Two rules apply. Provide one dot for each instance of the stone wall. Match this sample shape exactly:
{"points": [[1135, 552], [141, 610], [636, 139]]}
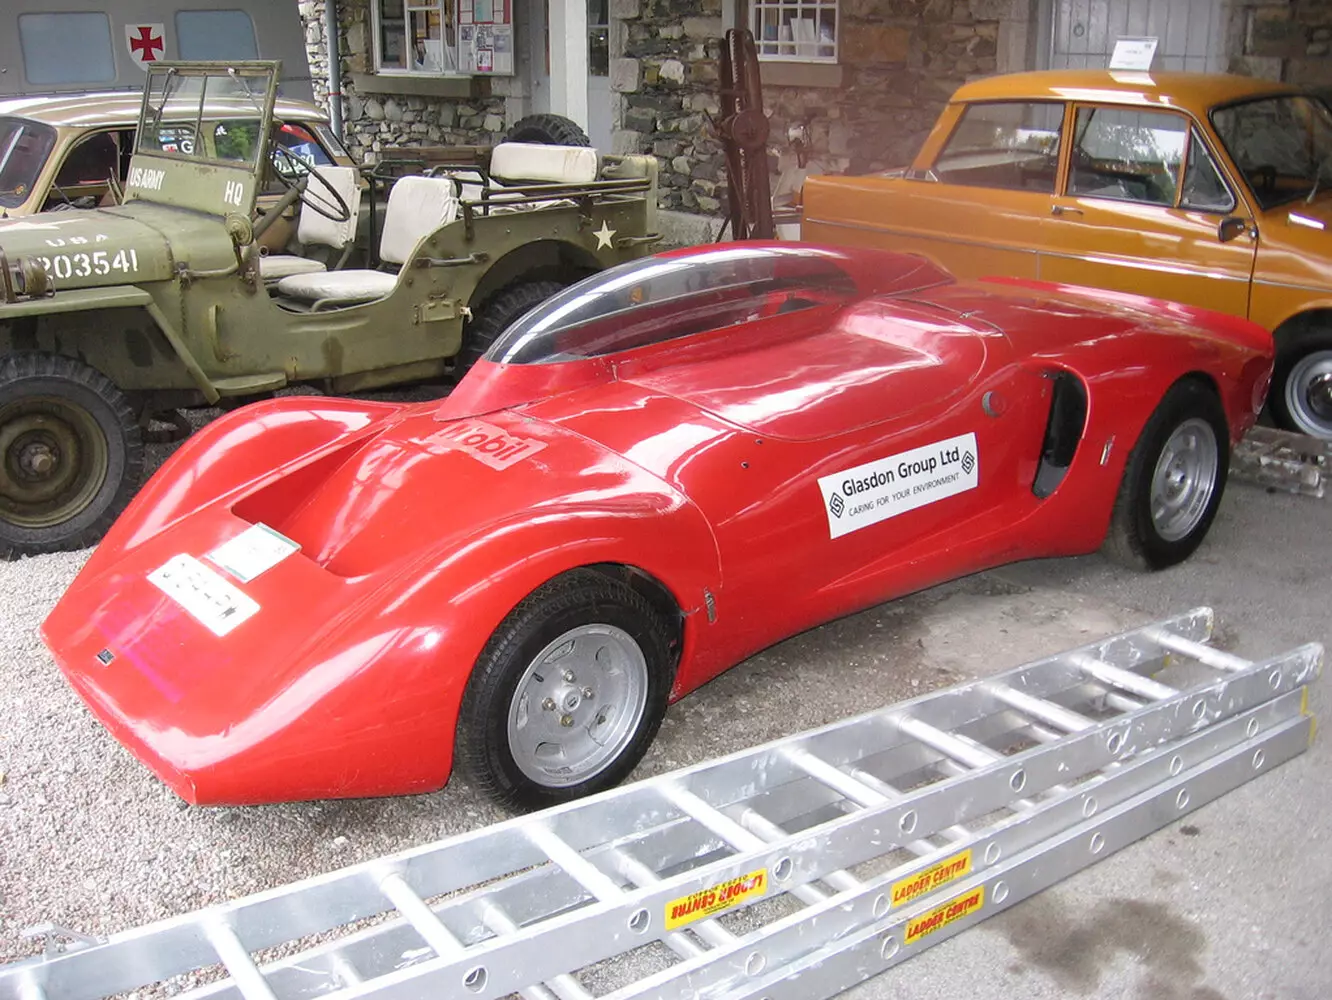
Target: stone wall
{"points": [[374, 120], [1286, 40], [899, 62]]}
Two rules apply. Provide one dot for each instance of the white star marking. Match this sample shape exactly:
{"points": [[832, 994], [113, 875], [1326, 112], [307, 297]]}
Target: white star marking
{"points": [[604, 236]]}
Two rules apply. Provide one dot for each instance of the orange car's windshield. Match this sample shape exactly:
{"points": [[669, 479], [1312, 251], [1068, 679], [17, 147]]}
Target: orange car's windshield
{"points": [[1282, 145]]}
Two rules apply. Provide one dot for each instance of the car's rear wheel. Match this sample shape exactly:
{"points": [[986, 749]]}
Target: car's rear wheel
{"points": [[500, 311], [1301, 397], [1173, 482], [71, 454], [567, 695]]}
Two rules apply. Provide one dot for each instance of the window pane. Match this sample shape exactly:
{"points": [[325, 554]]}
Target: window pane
{"points": [[1014, 144], [66, 48], [1282, 145], [1204, 189], [795, 30], [1127, 155], [392, 34], [216, 34], [24, 147]]}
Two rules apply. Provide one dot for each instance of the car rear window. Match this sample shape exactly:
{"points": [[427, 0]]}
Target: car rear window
{"points": [[24, 148], [664, 298], [1004, 144]]}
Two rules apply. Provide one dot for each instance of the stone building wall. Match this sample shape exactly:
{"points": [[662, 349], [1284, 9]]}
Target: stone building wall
{"points": [[899, 62], [373, 120], [1288, 40]]}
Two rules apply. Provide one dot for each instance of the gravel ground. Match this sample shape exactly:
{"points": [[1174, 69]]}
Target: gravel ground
{"points": [[90, 840]]}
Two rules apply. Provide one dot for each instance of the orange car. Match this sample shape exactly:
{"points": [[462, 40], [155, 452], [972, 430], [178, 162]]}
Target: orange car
{"points": [[1206, 189]]}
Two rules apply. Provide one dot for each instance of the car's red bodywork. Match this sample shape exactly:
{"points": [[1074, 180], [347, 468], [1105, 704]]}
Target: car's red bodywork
{"points": [[696, 460]]}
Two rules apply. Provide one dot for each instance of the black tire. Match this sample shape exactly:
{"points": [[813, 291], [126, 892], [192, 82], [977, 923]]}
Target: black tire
{"points": [[1301, 395], [498, 313], [550, 130], [71, 454], [1190, 415], [579, 600]]}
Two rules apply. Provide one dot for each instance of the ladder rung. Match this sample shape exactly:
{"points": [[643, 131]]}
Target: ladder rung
{"points": [[1127, 680], [709, 930], [730, 831], [962, 750], [1209, 655], [751, 819], [892, 794], [419, 915], [561, 987], [249, 980], [588, 875], [840, 781], [1040, 708]]}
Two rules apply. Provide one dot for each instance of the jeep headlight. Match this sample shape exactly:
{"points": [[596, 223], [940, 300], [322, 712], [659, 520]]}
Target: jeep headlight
{"points": [[25, 277]]}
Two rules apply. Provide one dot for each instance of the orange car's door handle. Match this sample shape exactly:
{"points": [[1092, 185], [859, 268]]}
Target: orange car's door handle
{"points": [[1065, 210]]}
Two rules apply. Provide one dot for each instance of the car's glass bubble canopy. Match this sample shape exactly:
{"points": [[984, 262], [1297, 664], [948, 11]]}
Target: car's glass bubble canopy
{"points": [[663, 298]]}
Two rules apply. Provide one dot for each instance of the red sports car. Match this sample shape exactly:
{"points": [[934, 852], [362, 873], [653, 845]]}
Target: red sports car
{"points": [[652, 475]]}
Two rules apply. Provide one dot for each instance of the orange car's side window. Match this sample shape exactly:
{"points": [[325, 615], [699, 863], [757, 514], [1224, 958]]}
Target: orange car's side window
{"points": [[1004, 144], [1127, 154]]}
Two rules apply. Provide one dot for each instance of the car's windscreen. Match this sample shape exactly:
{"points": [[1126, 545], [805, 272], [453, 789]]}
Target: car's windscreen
{"points": [[204, 116], [1282, 145], [663, 298], [24, 148]]}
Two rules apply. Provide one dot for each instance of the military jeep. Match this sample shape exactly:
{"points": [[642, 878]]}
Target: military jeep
{"points": [[111, 317]]}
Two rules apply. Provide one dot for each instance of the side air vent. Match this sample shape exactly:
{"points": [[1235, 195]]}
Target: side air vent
{"points": [[1063, 431]]}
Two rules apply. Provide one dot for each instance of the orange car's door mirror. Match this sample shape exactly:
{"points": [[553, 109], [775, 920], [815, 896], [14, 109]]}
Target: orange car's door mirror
{"points": [[1231, 227]]}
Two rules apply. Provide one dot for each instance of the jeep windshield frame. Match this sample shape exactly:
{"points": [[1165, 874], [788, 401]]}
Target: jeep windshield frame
{"points": [[203, 135], [657, 299]]}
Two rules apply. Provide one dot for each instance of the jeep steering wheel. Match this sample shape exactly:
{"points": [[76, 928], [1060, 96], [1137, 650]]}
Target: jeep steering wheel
{"points": [[326, 202]]}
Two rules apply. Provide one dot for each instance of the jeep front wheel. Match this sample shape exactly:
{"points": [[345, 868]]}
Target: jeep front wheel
{"points": [[71, 454]]}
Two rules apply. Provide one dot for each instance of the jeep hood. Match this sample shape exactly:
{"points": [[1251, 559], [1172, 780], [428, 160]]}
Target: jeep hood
{"points": [[86, 248]]}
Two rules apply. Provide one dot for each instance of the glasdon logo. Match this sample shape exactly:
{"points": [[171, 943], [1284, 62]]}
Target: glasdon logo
{"points": [[485, 442], [886, 487]]}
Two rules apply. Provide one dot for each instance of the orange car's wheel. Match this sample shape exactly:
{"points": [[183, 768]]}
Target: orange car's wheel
{"points": [[1301, 396], [567, 695], [1173, 482]]}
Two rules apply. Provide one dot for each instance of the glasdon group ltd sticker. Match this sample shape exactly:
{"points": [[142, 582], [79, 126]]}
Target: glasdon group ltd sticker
{"points": [[875, 491]]}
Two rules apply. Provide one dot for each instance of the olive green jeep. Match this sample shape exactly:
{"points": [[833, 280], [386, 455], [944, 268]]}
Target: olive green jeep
{"points": [[115, 316]]}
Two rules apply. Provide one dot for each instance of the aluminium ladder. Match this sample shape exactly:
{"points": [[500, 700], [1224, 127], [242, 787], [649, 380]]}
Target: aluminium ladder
{"points": [[1283, 460], [795, 869]]}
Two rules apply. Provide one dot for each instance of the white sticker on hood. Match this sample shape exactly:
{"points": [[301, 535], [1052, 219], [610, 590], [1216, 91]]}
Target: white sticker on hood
{"points": [[485, 442], [204, 593], [886, 487]]}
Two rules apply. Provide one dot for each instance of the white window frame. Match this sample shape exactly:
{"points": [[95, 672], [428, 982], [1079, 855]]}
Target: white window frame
{"points": [[408, 7], [787, 14]]}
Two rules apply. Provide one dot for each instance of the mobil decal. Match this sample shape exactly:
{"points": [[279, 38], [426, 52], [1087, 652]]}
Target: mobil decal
{"points": [[484, 442], [875, 491]]}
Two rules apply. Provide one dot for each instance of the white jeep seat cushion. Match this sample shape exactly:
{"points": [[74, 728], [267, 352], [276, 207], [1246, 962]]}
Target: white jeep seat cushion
{"points": [[314, 228], [342, 287], [417, 206], [274, 267], [532, 161]]}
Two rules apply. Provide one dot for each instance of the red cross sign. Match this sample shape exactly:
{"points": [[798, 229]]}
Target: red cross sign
{"points": [[147, 43]]}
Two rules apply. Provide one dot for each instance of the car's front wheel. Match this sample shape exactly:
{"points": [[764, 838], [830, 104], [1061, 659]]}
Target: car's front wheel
{"points": [[71, 454], [567, 695], [1173, 481], [1301, 395]]}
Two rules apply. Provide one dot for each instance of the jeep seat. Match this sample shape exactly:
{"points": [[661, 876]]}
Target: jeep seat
{"points": [[315, 228], [417, 206]]}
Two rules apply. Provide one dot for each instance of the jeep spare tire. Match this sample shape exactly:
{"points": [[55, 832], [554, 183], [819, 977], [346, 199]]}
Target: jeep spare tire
{"points": [[550, 130], [71, 454]]}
